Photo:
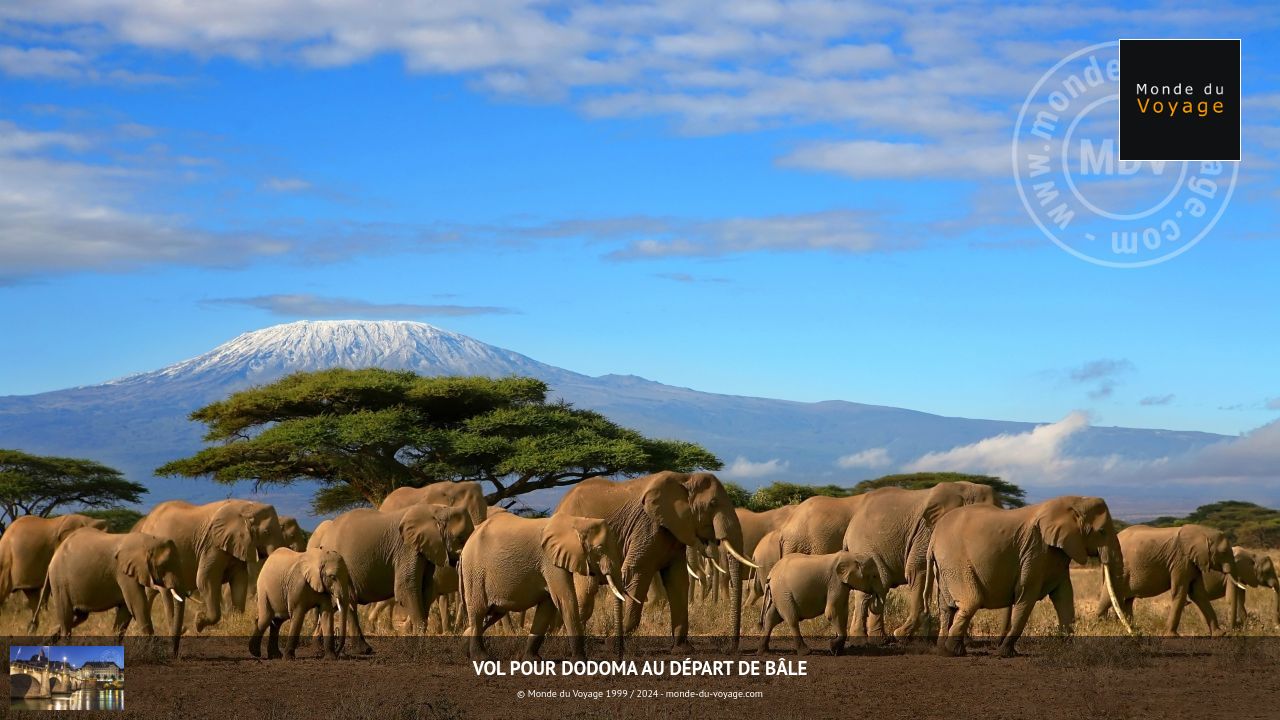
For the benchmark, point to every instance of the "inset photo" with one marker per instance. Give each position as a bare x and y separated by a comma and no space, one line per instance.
66,677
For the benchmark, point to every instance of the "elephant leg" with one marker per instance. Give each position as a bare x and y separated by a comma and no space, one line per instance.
1200,597
915,606
952,643
1063,598
542,619
264,622
1177,599
273,640
360,646
560,583
837,613
239,586
295,629
769,619
1021,614
875,619
477,609
676,580
121,622
792,619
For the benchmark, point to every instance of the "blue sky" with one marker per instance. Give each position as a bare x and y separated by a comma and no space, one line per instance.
77,655
806,201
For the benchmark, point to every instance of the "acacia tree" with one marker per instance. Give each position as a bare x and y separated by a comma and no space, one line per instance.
39,485
1008,494
363,433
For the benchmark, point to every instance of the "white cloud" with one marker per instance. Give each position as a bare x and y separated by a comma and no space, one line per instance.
746,469
316,306
872,458
286,185
1036,456
876,159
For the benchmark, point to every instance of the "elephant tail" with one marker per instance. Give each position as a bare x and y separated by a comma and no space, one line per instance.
462,590
930,581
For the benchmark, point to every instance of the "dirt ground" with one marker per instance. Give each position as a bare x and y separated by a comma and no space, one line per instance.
1099,673
431,678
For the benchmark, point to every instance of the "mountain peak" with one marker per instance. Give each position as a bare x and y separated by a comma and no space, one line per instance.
264,355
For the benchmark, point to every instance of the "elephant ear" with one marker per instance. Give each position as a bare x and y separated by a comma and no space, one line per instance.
1060,527
311,570
228,530
564,540
133,558
423,527
942,499
666,500
1198,548
849,568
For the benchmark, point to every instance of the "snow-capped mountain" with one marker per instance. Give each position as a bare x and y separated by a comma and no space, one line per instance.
139,422
265,355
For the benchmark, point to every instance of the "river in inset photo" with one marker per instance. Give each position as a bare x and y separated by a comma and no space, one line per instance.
78,700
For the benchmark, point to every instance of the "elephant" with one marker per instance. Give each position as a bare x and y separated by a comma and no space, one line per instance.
219,542
92,571
291,584
1252,570
513,563
767,554
394,555
444,585
755,526
985,557
655,517
466,495
893,526
26,548
800,587
1189,560
295,538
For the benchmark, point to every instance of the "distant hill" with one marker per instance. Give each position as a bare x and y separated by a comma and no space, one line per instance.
139,422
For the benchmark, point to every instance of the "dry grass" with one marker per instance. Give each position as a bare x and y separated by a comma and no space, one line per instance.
713,619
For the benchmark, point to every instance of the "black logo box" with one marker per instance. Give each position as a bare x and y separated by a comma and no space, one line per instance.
1187,68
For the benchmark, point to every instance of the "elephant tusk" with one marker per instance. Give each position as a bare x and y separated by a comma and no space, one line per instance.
716,565
729,547
175,595
614,588
692,574
635,599
1238,583
1115,601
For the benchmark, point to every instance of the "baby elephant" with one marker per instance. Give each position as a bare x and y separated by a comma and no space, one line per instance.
806,586
290,585
513,563
92,571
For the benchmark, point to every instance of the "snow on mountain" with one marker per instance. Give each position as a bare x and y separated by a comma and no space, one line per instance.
267,354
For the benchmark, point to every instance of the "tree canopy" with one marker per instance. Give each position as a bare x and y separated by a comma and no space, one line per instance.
1245,523
39,485
118,519
1009,494
363,433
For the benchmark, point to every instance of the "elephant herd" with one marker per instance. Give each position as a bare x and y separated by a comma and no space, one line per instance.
671,535
955,544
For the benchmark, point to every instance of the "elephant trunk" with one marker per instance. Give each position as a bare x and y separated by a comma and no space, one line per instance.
729,533
179,611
